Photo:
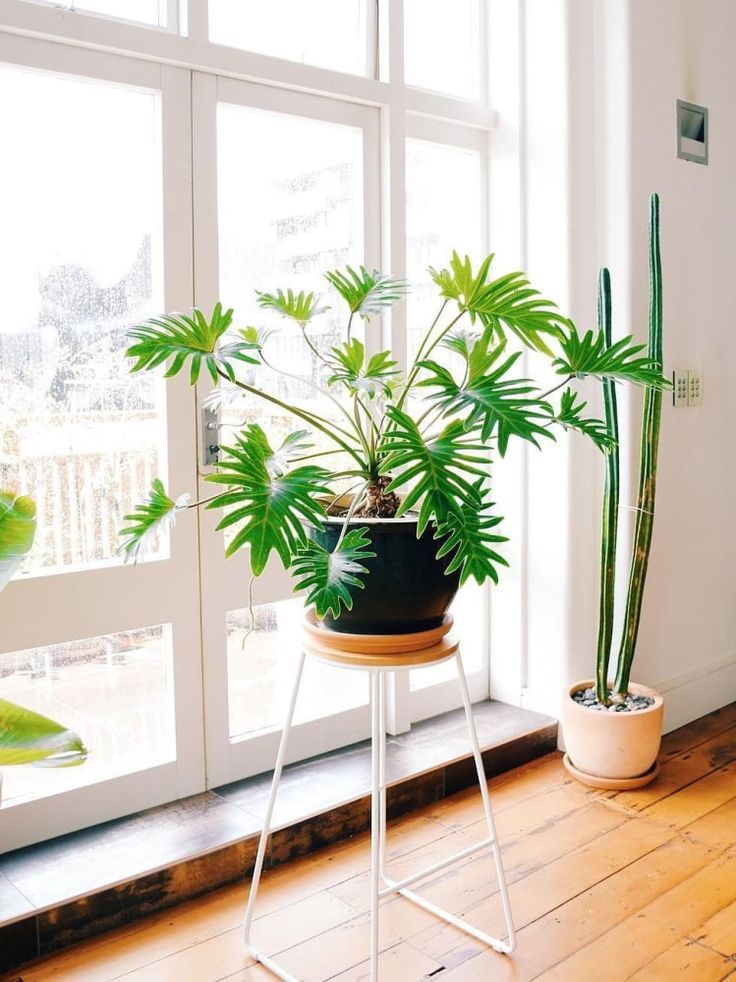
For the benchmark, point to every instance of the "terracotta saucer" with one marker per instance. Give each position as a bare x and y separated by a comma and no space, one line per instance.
377,644
612,783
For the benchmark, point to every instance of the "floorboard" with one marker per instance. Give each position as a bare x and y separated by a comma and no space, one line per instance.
637,885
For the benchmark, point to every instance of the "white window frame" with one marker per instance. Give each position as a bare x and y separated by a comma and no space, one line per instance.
60,607
401,111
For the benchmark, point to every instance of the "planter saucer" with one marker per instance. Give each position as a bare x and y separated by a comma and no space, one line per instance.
375,644
612,783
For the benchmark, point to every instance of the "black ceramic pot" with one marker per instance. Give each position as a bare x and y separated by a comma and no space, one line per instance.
406,587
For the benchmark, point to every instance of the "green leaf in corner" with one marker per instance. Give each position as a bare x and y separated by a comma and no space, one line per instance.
17,531
570,417
29,738
328,576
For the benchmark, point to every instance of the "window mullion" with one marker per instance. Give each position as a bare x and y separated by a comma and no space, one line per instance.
197,20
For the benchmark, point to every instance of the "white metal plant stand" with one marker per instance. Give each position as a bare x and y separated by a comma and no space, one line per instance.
377,655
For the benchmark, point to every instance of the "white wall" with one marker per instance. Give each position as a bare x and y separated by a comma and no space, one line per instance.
600,137
686,49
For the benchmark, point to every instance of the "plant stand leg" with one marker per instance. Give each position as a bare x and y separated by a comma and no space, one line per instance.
261,854
402,886
510,944
378,807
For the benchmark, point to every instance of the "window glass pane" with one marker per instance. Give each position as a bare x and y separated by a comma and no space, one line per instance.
262,660
81,255
442,46
116,692
145,11
285,216
327,33
438,223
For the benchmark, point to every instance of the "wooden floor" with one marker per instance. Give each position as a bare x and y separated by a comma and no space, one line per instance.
637,885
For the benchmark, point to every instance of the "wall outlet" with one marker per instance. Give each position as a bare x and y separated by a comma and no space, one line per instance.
687,388
680,388
694,388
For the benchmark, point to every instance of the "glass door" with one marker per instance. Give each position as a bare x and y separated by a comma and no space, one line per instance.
286,187
95,237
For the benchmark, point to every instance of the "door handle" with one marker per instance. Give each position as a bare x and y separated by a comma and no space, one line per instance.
210,427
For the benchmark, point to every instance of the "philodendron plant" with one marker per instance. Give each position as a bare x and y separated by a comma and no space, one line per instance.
428,434
27,737
648,450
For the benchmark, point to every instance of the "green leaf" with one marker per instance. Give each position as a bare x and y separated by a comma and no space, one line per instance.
589,355
366,293
508,406
301,307
149,518
460,341
328,576
29,738
441,469
379,375
470,538
176,338
272,504
17,531
570,417
507,303
256,337
294,444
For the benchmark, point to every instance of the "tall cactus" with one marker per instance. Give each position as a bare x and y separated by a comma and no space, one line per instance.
609,524
651,417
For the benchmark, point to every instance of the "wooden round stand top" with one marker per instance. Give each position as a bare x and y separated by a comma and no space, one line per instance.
379,650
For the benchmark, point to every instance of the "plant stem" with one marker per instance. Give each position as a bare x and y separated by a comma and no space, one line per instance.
322,392
651,417
202,501
426,337
341,494
311,456
322,425
317,353
565,381
609,523
350,325
353,505
418,356
415,367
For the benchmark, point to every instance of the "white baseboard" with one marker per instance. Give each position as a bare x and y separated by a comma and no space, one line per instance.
686,697
699,692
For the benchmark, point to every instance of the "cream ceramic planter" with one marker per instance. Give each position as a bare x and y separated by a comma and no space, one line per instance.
612,749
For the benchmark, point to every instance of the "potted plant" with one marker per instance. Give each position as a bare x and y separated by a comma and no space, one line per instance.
27,737
612,731
383,520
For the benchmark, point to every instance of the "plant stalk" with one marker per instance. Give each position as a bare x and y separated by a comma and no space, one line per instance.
609,522
651,418
324,427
